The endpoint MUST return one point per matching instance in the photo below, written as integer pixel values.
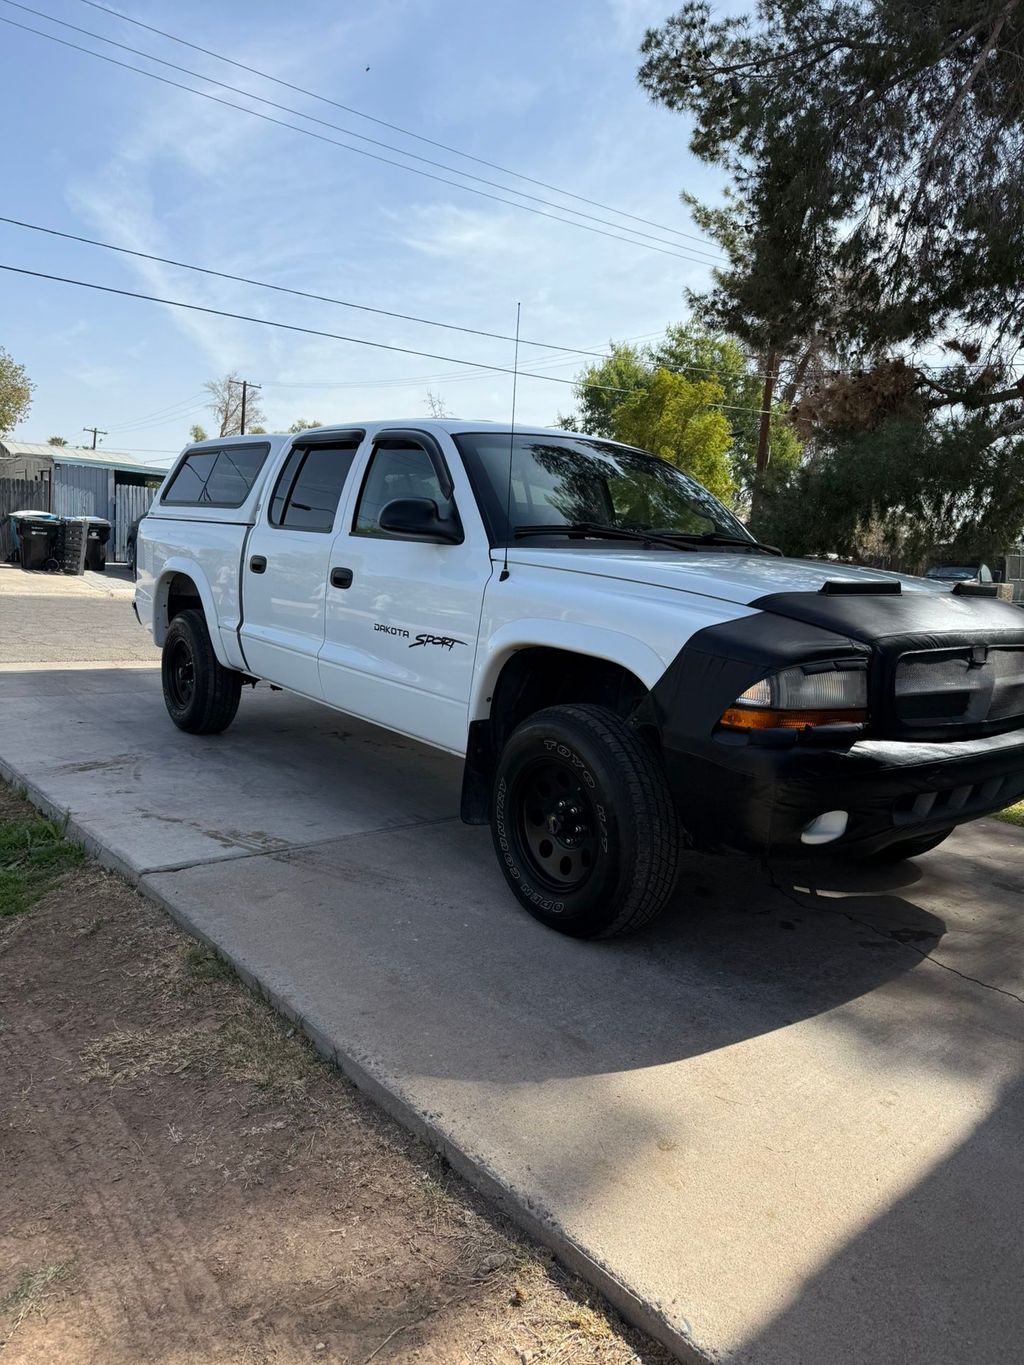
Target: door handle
(258, 563)
(341, 578)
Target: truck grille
(960, 687)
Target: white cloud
(192, 180)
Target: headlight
(813, 694)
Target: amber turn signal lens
(764, 718)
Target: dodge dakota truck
(624, 671)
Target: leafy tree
(673, 417)
(601, 388)
(694, 352)
(304, 424)
(56, 441)
(196, 432)
(226, 405)
(875, 148)
(910, 489)
(875, 206)
(15, 393)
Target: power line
(171, 411)
(333, 336)
(283, 289)
(140, 428)
(573, 352)
(294, 327)
(337, 127)
(361, 151)
(394, 127)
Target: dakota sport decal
(443, 641)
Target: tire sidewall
(586, 910)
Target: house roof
(120, 460)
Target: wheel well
(175, 593)
(182, 594)
(531, 680)
(538, 677)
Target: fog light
(824, 828)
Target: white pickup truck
(626, 672)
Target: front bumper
(759, 800)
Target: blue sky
(546, 88)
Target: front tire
(200, 694)
(584, 824)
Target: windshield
(567, 480)
(956, 573)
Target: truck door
(287, 559)
(403, 609)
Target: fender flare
(181, 564)
(595, 642)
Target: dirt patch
(186, 1181)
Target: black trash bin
(38, 538)
(71, 543)
(97, 533)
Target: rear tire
(583, 822)
(200, 694)
(908, 848)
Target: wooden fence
(15, 495)
(130, 503)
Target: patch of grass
(34, 855)
(1013, 815)
(251, 1044)
(31, 1290)
(202, 966)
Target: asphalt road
(782, 1126)
(49, 619)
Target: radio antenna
(511, 452)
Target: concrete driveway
(782, 1126)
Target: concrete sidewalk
(782, 1126)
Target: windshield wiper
(718, 538)
(596, 531)
(672, 540)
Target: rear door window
(216, 478)
(309, 488)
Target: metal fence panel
(79, 491)
(131, 501)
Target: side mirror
(419, 517)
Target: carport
(77, 482)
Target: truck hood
(724, 574)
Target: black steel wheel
(583, 822)
(180, 672)
(558, 825)
(200, 694)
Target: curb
(536, 1222)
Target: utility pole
(246, 384)
(96, 432)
